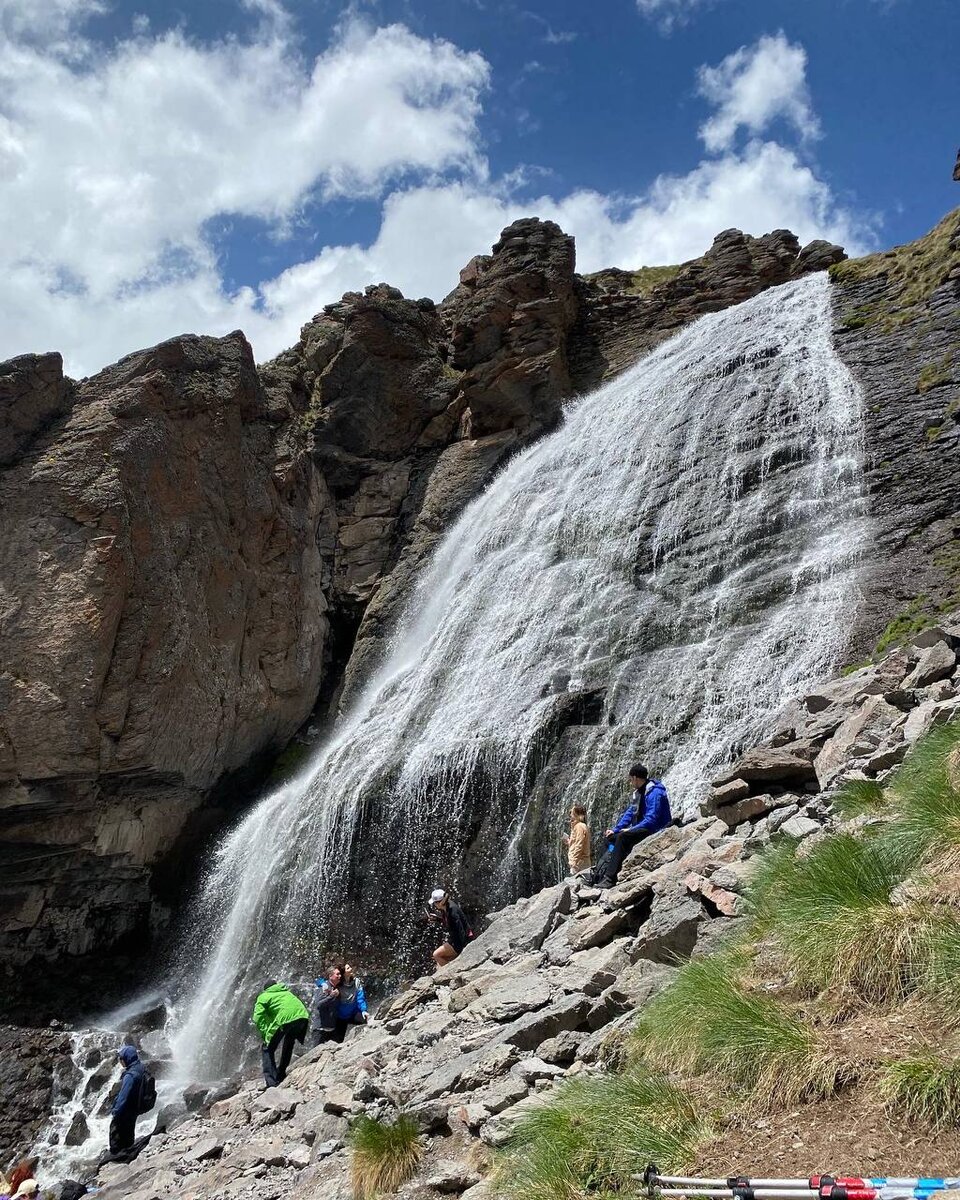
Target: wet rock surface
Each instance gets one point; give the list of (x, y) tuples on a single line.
[(197, 552), (543, 993)]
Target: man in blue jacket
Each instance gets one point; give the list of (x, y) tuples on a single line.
[(649, 810), (126, 1107)]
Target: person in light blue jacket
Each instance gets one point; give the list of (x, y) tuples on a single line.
[(338, 1002), (648, 812)]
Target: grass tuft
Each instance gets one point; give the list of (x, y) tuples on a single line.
[(383, 1155), (927, 798), (831, 917), (925, 1089), (859, 797), (708, 1021), (595, 1133)]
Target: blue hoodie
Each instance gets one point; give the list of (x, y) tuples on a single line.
[(350, 1002), (127, 1102), (649, 811)]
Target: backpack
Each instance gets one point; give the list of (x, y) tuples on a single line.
[(148, 1092)]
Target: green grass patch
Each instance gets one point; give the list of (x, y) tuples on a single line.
[(383, 1155), (707, 1020), (914, 270), (859, 797), (634, 283), (855, 666), (926, 797), (924, 1089), (934, 374), (595, 1133), (917, 616), (830, 916)]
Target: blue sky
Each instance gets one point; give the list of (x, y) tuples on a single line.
[(222, 163)]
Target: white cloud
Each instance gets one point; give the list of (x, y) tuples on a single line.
[(670, 14), (755, 86), (114, 164)]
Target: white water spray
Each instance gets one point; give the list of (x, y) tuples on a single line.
[(682, 549)]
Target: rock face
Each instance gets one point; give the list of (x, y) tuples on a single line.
[(617, 324), (28, 1068), (193, 552), (163, 621), (898, 329)]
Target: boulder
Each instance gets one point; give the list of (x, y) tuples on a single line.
[(789, 765), (935, 662), (205, 1149), (799, 827), (280, 1100), (671, 930), (78, 1132), (728, 793), (451, 1178), (746, 810), (858, 737), (532, 1069), (561, 1049)]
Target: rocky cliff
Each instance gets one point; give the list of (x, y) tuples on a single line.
[(197, 554)]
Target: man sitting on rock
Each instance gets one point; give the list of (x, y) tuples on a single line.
[(648, 811), (280, 1017)]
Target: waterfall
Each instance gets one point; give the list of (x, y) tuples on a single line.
[(653, 580)]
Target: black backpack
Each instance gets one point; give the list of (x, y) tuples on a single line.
[(148, 1092)]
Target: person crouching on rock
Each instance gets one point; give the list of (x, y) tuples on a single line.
[(281, 1020), (456, 929), (648, 812), (126, 1107), (577, 841)]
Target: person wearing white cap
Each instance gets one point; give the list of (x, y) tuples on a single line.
[(29, 1187), (456, 928)]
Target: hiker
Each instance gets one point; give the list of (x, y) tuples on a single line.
[(648, 811), (281, 1020), (457, 932), (126, 1107), (353, 1000), (21, 1181), (577, 841), (338, 1003)]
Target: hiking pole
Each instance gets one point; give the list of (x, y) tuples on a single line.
[(920, 1183), (814, 1187)]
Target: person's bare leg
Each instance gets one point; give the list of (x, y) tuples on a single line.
[(444, 954)]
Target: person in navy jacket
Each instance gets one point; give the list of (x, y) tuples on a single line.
[(649, 810)]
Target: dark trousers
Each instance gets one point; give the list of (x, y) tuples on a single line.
[(123, 1132), (623, 843), (275, 1072)]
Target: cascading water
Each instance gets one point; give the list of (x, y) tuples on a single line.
[(653, 579)]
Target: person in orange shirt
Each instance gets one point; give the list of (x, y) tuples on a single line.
[(577, 841)]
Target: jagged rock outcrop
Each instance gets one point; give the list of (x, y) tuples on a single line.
[(620, 323)]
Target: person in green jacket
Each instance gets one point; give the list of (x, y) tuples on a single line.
[(281, 1020)]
